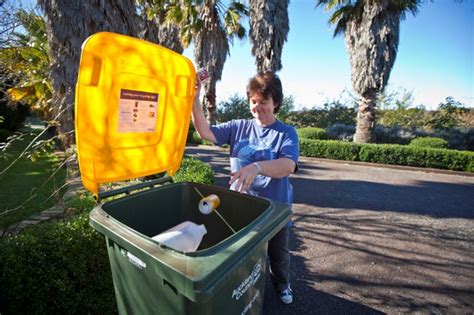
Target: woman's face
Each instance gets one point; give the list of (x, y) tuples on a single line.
[(262, 109)]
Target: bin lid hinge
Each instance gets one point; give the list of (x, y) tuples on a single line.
[(129, 189)]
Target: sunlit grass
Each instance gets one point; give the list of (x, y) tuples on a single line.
[(28, 179)]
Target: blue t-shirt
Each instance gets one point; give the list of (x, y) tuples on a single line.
[(250, 143)]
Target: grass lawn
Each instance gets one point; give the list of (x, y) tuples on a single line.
[(27, 179)]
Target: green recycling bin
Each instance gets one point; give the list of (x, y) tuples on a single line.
[(132, 112), (226, 275)]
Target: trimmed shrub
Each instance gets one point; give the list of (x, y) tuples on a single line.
[(329, 149), (429, 142), (418, 156), (389, 154), (54, 268), (195, 138), (191, 137), (312, 133), (194, 170)]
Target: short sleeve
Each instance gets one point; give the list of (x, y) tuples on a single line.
[(223, 132), (290, 146)]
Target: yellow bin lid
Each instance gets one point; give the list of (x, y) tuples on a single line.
[(132, 111)]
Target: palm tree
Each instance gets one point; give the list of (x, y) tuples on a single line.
[(371, 30), (155, 28), (68, 24), (269, 27), (212, 26), (25, 58)]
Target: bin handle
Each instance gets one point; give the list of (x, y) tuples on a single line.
[(127, 190)]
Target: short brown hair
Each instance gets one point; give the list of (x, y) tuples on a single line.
[(267, 84)]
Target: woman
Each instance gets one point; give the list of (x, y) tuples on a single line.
[(263, 153)]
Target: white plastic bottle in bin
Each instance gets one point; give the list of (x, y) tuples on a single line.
[(185, 236)]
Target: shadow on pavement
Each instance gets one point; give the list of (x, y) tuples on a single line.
[(439, 200), (387, 264), (308, 300)]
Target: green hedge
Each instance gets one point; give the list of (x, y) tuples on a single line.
[(62, 267), (56, 268), (194, 138), (329, 149), (389, 154), (194, 170), (429, 142), (312, 133)]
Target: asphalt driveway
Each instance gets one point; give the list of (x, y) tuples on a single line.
[(370, 239)]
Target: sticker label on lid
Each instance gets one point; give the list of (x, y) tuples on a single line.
[(137, 111)]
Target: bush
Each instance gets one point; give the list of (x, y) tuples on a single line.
[(429, 142), (449, 114), (417, 156), (331, 113), (457, 138), (237, 107), (394, 135), (341, 132), (389, 154), (63, 267), (329, 149), (13, 115), (4, 134), (193, 170), (54, 268), (191, 132), (409, 118), (193, 137), (312, 133)]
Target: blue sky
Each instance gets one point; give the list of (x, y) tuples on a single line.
[(435, 57)]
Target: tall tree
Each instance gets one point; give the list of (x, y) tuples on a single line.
[(371, 30), (8, 21), (269, 27), (212, 26), (25, 60), (154, 26), (68, 24)]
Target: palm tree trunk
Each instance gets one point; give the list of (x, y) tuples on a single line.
[(269, 27), (68, 24), (210, 51), (156, 30), (372, 42), (366, 118), (210, 101)]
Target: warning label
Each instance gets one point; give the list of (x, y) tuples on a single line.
[(137, 111)]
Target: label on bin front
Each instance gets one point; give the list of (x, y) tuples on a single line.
[(137, 111), (248, 307), (249, 281)]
